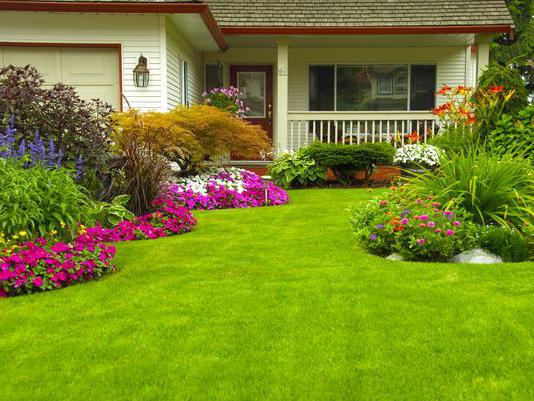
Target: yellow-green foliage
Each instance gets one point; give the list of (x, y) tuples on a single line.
[(193, 135)]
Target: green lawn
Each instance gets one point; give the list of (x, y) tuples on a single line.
[(274, 304)]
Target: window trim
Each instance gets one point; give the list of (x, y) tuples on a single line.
[(184, 83), (409, 83)]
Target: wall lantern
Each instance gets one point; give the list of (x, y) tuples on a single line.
[(141, 73)]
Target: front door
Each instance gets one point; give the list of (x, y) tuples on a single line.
[(256, 85)]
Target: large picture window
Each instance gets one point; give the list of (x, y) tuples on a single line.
[(371, 87)]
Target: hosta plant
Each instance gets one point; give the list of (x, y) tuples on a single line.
[(295, 170)]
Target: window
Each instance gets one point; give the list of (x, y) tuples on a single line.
[(423, 87), (214, 76), (321, 87), (185, 83), (371, 87)]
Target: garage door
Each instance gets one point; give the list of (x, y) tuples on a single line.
[(93, 71)]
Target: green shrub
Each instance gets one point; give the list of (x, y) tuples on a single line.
[(494, 189), (514, 134), (38, 200), (510, 79), (508, 244), (347, 160), (456, 138), (296, 169)]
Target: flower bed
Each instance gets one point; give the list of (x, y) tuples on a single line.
[(39, 266), (417, 230), (223, 189), (417, 155)]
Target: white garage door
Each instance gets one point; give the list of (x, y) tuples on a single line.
[(93, 71)]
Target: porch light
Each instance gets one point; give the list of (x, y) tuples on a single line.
[(141, 73)]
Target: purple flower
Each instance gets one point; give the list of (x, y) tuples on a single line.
[(373, 237), (79, 168), (379, 227)]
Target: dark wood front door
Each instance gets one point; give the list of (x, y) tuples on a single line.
[(256, 85)]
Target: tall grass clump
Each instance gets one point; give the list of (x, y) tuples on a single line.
[(495, 189)]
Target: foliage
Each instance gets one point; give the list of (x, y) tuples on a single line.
[(456, 138), (191, 136), (347, 160), (504, 242), (417, 155), (226, 99), (514, 134), (143, 169), (296, 170), (37, 200), (417, 230), (225, 188), (494, 189), (112, 213), (510, 80), (39, 266), (78, 127)]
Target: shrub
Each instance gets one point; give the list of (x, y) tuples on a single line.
[(417, 155), (225, 188), (296, 170), (78, 127), (226, 99), (418, 230), (347, 160), (459, 138), (506, 243), (37, 200), (192, 136), (514, 134), (492, 188), (510, 79)]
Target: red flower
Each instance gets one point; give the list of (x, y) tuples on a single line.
[(444, 90), (496, 89)]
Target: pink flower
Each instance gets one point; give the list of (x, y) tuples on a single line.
[(431, 224), (37, 281), (422, 225), (449, 233), (421, 242), (456, 223), (437, 230), (424, 217), (404, 221)]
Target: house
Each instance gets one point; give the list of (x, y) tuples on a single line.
[(341, 70)]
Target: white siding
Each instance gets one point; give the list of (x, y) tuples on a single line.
[(135, 33), (179, 50)]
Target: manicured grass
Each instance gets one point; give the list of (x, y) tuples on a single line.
[(274, 304)]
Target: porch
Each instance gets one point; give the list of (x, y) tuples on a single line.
[(317, 90)]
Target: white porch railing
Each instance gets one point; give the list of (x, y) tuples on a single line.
[(357, 127)]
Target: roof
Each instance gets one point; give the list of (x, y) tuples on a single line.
[(315, 13), (360, 13)]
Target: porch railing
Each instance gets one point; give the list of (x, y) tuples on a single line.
[(357, 127)]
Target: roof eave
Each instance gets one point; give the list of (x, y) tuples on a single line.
[(365, 30), (123, 8)]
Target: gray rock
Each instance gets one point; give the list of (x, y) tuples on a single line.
[(395, 257), (476, 255)]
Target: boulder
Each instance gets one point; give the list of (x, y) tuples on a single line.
[(477, 255), (395, 257)]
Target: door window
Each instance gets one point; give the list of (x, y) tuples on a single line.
[(252, 87)]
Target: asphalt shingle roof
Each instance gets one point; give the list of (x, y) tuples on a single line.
[(355, 13), (365, 13)]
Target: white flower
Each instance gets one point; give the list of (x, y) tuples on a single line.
[(199, 183), (419, 154)]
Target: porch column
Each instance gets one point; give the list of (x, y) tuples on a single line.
[(281, 97)]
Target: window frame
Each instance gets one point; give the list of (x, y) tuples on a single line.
[(184, 73), (335, 65)]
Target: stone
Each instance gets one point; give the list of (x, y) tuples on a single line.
[(396, 257), (477, 255)]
